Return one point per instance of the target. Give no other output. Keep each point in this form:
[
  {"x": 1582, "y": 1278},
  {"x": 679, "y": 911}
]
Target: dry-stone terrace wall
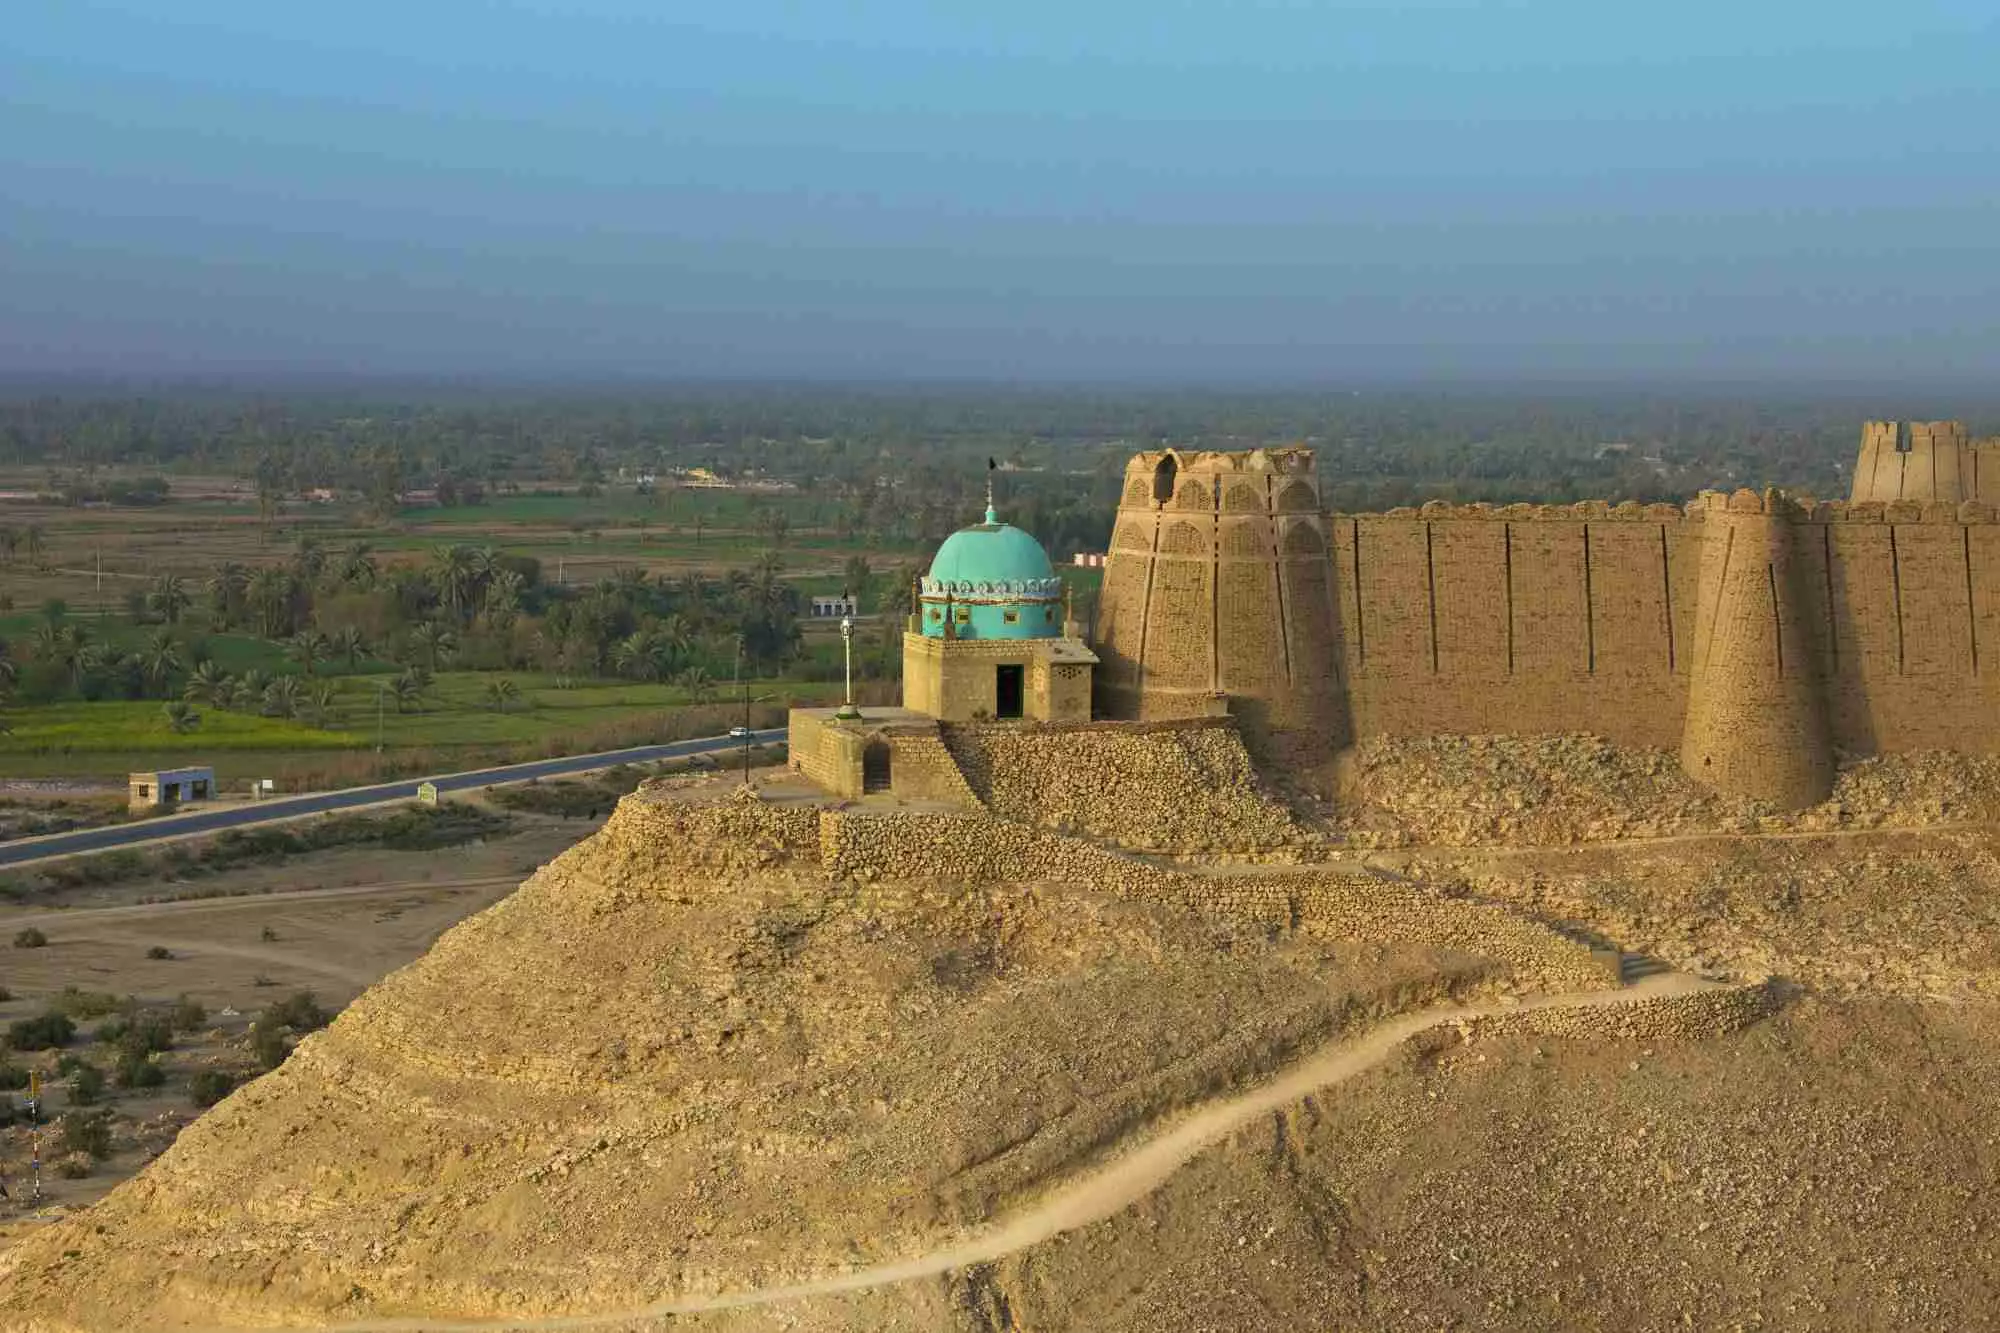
[
  {"x": 1688, "y": 1014},
  {"x": 653, "y": 842},
  {"x": 1177, "y": 786}
]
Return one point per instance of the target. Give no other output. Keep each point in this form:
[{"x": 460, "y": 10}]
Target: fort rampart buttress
[{"x": 1754, "y": 634}]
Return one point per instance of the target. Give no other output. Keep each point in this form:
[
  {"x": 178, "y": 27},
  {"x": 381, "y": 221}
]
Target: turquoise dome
[
  {"x": 992, "y": 581},
  {"x": 990, "y": 553}
]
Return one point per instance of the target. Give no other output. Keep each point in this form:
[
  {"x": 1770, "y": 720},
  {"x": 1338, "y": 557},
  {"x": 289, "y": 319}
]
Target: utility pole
[{"x": 381, "y": 698}]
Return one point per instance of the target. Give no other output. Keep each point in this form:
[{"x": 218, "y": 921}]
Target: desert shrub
[
  {"x": 188, "y": 1014},
  {"x": 12, "y": 1076},
  {"x": 146, "y": 1032},
  {"x": 86, "y": 1132},
  {"x": 86, "y": 1004},
  {"x": 86, "y": 1085},
  {"x": 5, "y": 995},
  {"x": 73, "y": 1166},
  {"x": 136, "y": 1071},
  {"x": 44, "y": 1032},
  {"x": 209, "y": 1087},
  {"x": 268, "y": 935},
  {"x": 29, "y": 938},
  {"x": 158, "y": 952},
  {"x": 299, "y": 1011},
  {"x": 267, "y": 1043},
  {"x": 10, "y": 1112}
]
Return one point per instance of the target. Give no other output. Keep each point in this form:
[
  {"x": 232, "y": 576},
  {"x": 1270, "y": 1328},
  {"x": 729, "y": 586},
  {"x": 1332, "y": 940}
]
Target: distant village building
[
  {"x": 170, "y": 787},
  {"x": 824, "y": 608},
  {"x": 1088, "y": 559}
]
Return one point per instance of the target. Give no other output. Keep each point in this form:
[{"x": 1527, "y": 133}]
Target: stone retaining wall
[{"x": 1177, "y": 787}]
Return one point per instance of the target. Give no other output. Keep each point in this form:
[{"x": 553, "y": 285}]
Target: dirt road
[{"x": 1097, "y": 1194}]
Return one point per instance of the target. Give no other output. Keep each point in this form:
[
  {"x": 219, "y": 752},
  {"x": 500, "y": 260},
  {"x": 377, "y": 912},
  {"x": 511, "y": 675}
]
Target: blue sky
[{"x": 1187, "y": 192}]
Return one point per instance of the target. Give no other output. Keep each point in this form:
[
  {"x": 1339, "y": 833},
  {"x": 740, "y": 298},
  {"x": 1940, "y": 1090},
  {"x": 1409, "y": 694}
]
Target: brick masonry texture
[{"x": 1877, "y": 627}]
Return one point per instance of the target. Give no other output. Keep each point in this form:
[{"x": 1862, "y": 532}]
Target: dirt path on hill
[{"x": 1099, "y": 1193}]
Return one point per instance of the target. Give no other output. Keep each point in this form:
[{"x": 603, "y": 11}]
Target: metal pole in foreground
[
  {"x": 744, "y": 685},
  {"x": 35, "y": 1132},
  {"x": 847, "y": 709}
]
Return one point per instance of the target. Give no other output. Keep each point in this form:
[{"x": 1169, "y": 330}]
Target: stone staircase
[{"x": 1636, "y": 967}]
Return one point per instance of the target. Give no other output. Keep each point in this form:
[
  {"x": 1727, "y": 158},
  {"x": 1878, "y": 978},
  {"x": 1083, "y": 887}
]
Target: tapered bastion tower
[
  {"x": 1218, "y": 595},
  {"x": 1757, "y": 713}
]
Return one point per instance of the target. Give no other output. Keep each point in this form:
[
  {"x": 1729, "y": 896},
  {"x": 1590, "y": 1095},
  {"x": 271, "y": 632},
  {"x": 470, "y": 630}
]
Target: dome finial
[{"x": 992, "y": 514}]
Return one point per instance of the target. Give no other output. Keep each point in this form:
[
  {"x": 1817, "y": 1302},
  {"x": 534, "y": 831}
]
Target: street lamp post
[{"x": 847, "y": 711}]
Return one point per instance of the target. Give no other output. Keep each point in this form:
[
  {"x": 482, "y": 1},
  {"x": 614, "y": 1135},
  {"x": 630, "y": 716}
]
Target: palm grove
[{"x": 467, "y": 607}]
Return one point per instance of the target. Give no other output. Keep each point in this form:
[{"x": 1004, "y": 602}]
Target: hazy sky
[{"x": 1092, "y": 188}]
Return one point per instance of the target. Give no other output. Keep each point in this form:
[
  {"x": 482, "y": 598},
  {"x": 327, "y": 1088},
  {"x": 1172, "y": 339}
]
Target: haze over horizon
[{"x": 888, "y": 191}]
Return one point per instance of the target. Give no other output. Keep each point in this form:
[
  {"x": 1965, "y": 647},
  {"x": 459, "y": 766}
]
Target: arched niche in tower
[{"x": 1163, "y": 477}]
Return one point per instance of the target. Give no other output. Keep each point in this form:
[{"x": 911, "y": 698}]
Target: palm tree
[
  {"x": 675, "y": 637},
  {"x": 319, "y": 702},
  {"x": 434, "y": 640},
  {"x": 694, "y": 597},
  {"x": 37, "y": 543},
  {"x": 501, "y": 693},
  {"x": 251, "y": 686},
  {"x": 452, "y": 570},
  {"x": 169, "y": 597},
  {"x": 309, "y": 561},
  {"x": 643, "y": 654},
  {"x": 405, "y": 691},
  {"x": 180, "y": 717},
  {"x": 501, "y": 602},
  {"x": 281, "y": 697},
  {"x": 308, "y": 648},
  {"x": 208, "y": 684},
  {"x": 356, "y": 568},
  {"x": 159, "y": 659},
  {"x": 348, "y": 642},
  {"x": 696, "y": 682},
  {"x": 226, "y": 589},
  {"x": 858, "y": 576},
  {"x": 10, "y": 542},
  {"x": 270, "y": 596}
]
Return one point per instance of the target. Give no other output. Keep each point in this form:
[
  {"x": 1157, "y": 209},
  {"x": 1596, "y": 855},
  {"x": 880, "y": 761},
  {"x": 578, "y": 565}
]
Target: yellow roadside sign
[{"x": 34, "y": 1085}]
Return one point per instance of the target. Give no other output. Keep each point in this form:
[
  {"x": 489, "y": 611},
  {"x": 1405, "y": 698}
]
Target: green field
[{"x": 134, "y": 726}]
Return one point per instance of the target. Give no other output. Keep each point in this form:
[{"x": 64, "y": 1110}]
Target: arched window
[{"x": 1163, "y": 479}]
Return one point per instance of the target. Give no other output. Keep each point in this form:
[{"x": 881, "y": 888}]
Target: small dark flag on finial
[{"x": 992, "y": 465}]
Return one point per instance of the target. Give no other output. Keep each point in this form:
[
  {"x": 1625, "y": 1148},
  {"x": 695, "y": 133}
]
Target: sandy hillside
[{"x": 687, "y": 1059}]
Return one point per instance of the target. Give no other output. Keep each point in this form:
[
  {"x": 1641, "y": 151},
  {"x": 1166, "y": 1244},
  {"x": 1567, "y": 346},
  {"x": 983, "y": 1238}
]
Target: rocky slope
[
  {"x": 717, "y": 1048},
  {"x": 684, "y": 1058}
]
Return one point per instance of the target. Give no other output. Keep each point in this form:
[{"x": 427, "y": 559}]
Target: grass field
[{"x": 135, "y": 726}]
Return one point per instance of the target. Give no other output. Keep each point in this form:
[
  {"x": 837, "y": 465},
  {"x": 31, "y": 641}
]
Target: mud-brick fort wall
[
  {"x": 1755, "y": 633},
  {"x": 1527, "y": 618}
]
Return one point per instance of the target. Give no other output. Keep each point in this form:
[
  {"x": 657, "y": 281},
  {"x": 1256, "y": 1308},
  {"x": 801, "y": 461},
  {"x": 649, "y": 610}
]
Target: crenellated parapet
[
  {"x": 1589, "y": 511},
  {"x": 1925, "y": 461}
]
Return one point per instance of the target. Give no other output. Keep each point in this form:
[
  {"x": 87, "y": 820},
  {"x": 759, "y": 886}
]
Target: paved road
[{"x": 289, "y": 807}]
